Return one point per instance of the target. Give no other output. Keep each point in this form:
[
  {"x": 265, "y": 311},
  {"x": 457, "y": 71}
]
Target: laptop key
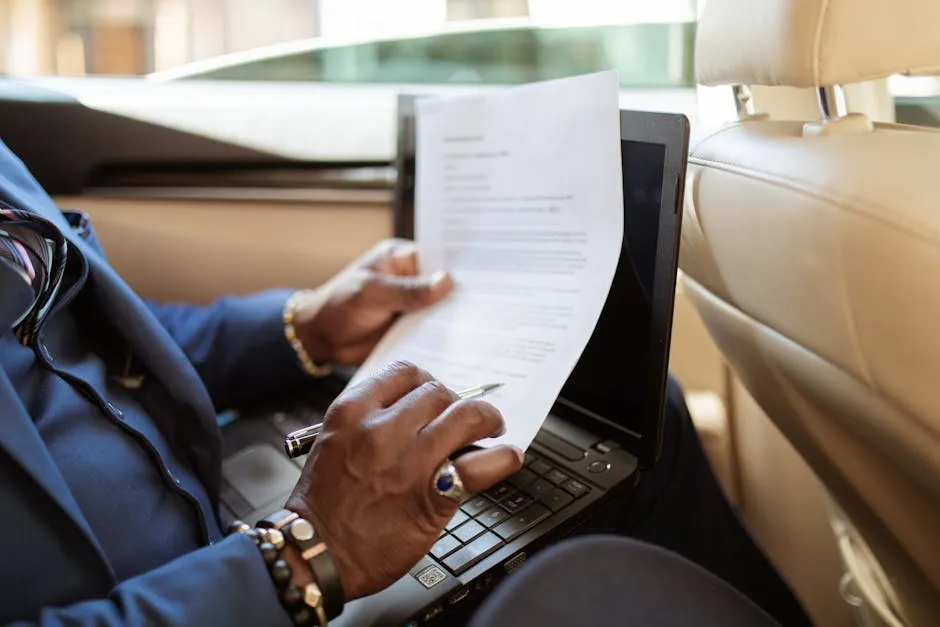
[
  {"x": 540, "y": 488},
  {"x": 529, "y": 458},
  {"x": 445, "y": 546},
  {"x": 476, "y": 505},
  {"x": 472, "y": 553},
  {"x": 468, "y": 531},
  {"x": 500, "y": 491},
  {"x": 522, "y": 478},
  {"x": 458, "y": 519},
  {"x": 556, "y": 499},
  {"x": 539, "y": 467},
  {"x": 556, "y": 476},
  {"x": 520, "y": 523},
  {"x": 517, "y": 502},
  {"x": 575, "y": 488},
  {"x": 493, "y": 516}
]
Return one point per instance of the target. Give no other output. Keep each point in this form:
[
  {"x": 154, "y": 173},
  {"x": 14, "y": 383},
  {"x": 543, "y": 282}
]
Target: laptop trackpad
[{"x": 260, "y": 473}]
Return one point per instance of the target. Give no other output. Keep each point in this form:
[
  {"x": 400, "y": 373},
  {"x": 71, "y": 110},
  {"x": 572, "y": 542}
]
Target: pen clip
[{"x": 313, "y": 429}]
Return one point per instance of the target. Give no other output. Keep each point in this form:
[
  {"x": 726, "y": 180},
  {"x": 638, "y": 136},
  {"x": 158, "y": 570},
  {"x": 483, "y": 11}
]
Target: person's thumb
[{"x": 407, "y": 293}]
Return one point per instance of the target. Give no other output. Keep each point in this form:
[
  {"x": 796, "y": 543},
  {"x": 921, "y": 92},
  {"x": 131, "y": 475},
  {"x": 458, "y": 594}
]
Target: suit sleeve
[
  {"x": 225, "y": 584},
  {"x": 237, "y": 345}
]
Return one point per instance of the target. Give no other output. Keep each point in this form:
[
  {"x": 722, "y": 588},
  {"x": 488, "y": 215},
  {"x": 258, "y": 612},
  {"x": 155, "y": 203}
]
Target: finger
[
  {"x": 402, "y": 294},
  {"x": 460, "y": 425},
  {"x": 484, "y": 468},
  {"x": 392, "y": 256},
  {"x": 389, "y": 384},
  {"x": 404, "y": 260},
  {"x": 401, "y": 259},
  {"x": 417, "y": 409}
]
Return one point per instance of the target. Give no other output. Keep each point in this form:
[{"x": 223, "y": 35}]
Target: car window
[
  {"x": 916, "y": 100},
  {"x": 645, "y": 55}
]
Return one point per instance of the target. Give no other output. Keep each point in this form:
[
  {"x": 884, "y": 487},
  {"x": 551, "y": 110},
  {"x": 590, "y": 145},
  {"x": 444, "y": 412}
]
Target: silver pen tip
[{"x": 489, "y": 387}]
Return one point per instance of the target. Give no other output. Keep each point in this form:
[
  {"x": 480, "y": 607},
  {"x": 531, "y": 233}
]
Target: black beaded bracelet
[
  {"x": 305, "y": 607},
  {"x": 301, "y": 534}
]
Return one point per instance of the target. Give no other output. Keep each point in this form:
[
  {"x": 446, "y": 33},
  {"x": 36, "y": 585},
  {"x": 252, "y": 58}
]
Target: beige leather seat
[{"x": 812, "y": 251}]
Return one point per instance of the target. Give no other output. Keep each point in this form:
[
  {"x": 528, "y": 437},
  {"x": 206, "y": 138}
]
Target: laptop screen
[
  {"x": 616, "y": 390},
  {"x": 611, "y": 380}
]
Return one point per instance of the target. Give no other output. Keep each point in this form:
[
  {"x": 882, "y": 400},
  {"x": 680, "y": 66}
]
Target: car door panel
[{"x": 195, "y": 250}]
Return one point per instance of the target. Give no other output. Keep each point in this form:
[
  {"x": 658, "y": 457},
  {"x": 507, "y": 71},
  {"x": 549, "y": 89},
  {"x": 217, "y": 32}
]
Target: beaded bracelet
[
  {"x": 304, "y": 606},
  {"x": 290, "y": 332},
  {"x": 300, "y": 534}
]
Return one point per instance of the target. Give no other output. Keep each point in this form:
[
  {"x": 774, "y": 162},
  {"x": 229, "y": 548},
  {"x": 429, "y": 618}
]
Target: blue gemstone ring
[{"x": 447, "y": 482}]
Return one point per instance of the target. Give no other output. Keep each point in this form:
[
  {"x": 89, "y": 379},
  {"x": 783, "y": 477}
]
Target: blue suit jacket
[{"x": 52, "y": 568}]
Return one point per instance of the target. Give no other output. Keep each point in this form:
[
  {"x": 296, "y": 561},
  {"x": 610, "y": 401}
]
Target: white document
[{"x": 519, "y": 196}]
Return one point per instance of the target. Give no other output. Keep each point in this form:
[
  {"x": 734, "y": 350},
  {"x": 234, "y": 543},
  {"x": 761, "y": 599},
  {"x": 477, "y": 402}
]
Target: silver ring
[{"x": 447, "y": 482}]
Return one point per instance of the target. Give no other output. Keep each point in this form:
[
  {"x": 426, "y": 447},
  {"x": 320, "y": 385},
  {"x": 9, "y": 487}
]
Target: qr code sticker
[{"x": 431, "y": 576}]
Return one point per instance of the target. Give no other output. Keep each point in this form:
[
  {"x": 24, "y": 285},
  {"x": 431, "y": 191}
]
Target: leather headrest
[{"x": 814, "y": 43}]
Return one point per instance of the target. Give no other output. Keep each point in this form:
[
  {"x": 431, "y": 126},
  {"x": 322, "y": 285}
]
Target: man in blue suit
[{"x": 109, "y": 449}]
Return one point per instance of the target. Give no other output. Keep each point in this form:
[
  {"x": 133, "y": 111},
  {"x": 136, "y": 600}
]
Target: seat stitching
[
  {"x": 848, "y": 203},
  {"x": 727, "y": 126}
]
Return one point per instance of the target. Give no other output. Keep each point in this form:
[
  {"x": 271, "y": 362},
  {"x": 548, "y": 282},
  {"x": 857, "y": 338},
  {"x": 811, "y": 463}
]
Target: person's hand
[
  {"x": 367, "y": 485},
  {"x": 342, "y": 321}
]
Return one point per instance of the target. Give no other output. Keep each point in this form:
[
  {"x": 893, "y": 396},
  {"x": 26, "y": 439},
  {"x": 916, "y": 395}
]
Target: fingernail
[
  {"x": 519, "y": 454},
  {"x": 438, "y": 277}
]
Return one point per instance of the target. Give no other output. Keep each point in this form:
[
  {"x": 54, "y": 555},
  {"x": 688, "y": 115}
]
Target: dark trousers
[
  {"x": 607, "y": 581},
  {"x": 678, "y": 505}
]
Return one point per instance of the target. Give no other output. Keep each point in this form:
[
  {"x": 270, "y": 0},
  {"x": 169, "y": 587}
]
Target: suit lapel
[
  {"x": 151, "y": 342},
  {"x": 120, "y": 305},
  {"x": 148, "y": 339},
  {"x": 18, "y": 434}
]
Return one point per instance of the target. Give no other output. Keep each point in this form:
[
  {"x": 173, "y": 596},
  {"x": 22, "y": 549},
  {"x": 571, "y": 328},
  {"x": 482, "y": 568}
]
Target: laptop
[{"x": 605, "y": 427}]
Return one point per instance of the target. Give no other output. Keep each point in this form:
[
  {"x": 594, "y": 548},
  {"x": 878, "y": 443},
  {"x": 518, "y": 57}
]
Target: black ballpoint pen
[{"x": 300, "y": 442}]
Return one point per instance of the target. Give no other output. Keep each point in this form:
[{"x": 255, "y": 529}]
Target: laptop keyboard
[
  {"x": 483, "y": 524},
  {"x": 487, "y": 521}
]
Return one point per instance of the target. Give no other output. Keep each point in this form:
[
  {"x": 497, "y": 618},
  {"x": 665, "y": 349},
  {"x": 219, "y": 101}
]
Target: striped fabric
[{"x": 38, "y": 251}]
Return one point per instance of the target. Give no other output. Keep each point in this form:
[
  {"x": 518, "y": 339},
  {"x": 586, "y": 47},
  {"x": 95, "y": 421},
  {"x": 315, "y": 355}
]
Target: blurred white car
[{"x": 330, "y": 102}]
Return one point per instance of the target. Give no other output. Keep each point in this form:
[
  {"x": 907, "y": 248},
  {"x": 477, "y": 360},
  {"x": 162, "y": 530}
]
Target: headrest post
[
  {"x": 743, "y": 101},
  {"x": 831, "y": 102}
]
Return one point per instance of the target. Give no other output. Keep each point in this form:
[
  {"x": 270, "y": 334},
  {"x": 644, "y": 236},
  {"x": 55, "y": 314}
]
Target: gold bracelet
[{"x": 308, "y": 365}]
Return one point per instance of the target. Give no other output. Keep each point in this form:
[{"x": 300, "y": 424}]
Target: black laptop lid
[{"x": 617, "y": 388}]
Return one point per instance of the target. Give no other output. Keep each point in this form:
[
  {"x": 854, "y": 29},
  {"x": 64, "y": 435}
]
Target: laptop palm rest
[
  {"x": 261, "y": 474},
  {"x": 426, "y": 582}
]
